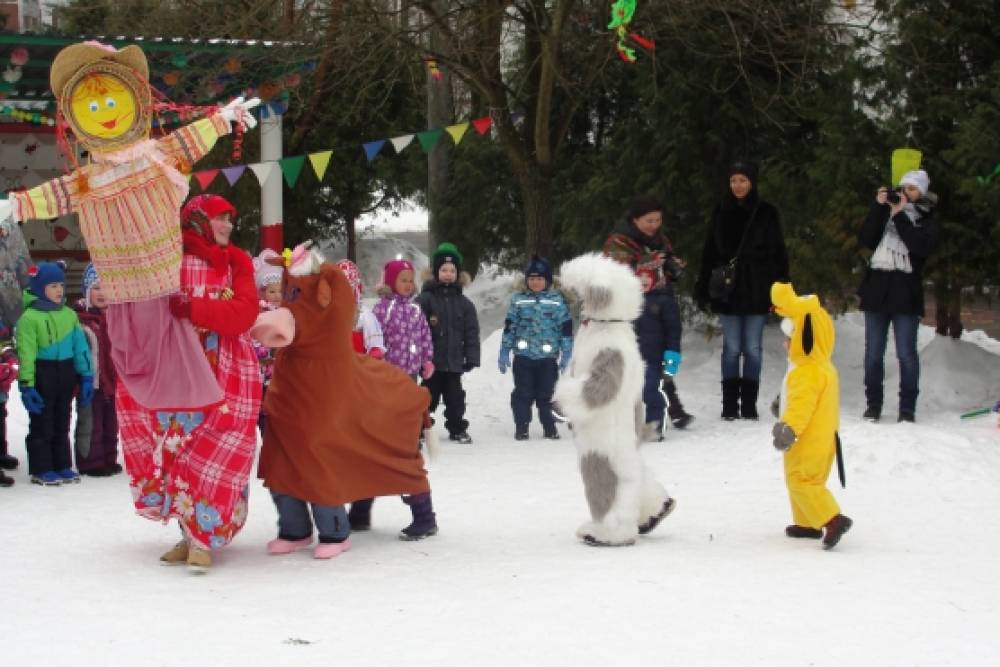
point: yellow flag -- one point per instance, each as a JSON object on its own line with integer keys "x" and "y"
{"x": 457, "y": 131}
{"x": 320, "y": 161}
{"x": 904, "y": 160}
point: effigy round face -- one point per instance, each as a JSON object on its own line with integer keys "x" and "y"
{"x": 107, "y": 106}
{"x": 103, "y": 106}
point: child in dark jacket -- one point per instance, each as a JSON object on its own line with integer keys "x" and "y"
{"x": 96, "y": 435}
{"x": 8, "y": 373}
{"x": 55, "y": 360}
{"x": 538, "y": 330}
{"x": 455, "y": 330}
{"x": 658, "y": 329}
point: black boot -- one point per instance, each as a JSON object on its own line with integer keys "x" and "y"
{"x": 7, "y": 462}
{"x": 748, "y": 398}
{"x": 731, "y": 399}
{"x": 5, "y": 480}
{"x": 678, "y": 417}
{"x": 360, "y": 514}
{"x": 424, "y": 524}
{"x": 520, "y": 431}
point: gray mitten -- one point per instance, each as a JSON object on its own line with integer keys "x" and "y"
{"x": 784, "y": 436}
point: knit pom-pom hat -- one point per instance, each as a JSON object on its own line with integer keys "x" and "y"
{"x": 42, "y": 274}
{"x": 539, "y": 266}
{"x": 265, "y": 274}
{"x": 446, "y": 253}
{"x": 391, "y": 271}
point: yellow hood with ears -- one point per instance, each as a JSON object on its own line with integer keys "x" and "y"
{"x": 813, "y": 337}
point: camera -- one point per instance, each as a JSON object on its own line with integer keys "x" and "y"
{"x": 892, "y": 196}
{"x": 673, "y": 267}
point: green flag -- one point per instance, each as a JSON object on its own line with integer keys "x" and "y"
{"x": 429, "y": 138}
{"x": 291, "y": 167}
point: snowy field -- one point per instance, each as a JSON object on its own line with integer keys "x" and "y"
{"x": 506, "y": 582}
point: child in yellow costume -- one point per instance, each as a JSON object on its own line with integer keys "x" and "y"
{"x": 809, "y": 416}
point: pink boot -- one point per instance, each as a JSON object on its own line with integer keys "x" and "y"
{"x": 278, "y": 546}
{"x": 331, "y": 550}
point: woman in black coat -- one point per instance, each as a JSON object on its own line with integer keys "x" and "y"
{"x": 761, "y": 260}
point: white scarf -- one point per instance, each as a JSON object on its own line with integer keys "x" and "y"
{"x": 891, "y": 253}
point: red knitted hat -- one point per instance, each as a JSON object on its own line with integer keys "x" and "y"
{"x": 392, "y": 270}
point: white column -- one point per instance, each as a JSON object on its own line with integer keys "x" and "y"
{"x": 271, "y": 209}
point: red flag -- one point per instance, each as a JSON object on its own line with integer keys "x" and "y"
{"x": 483, "y": 124}
{"x": 206, "y": 177}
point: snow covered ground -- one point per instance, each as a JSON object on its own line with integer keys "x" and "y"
{"x": 506, "y": 582}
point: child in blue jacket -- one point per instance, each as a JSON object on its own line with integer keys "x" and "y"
{"x": 55, "y": 360}
{"x": 539, "y": 331}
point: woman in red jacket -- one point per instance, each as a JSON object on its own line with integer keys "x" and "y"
{"x": 195, "y": 466}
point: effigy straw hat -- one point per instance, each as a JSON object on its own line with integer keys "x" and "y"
{"x": 75, "y": 57}
{"x": 74, "y": 63}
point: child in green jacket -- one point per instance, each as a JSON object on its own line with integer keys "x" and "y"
{"x": 55, "y": 359}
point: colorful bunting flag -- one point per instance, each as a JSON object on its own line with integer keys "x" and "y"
{"x": 262, "y": 170}
{"x": 206, "y": 177}
{"x": 483, "y": 124}
{"x": 429, "y": 138}
{"x": 372, "y": 148}
{"x": 457, "y": 131}
{"x": 291, "y": 168}
{"x": 233, "y": 173}
{"x": 516, "y": 117}
{"x": 399, "y": 143}
{"x": 320, "y": 161}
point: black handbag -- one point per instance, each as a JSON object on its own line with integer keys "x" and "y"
{"x": 722, "y": 280}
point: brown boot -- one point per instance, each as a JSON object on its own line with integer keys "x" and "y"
{"x": 177, "y": 554}
{"x": 199, "y": 558}
{"x": 835, "y": 529}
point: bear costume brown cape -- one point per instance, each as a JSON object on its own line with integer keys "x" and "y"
{"x": 340, "y": 426}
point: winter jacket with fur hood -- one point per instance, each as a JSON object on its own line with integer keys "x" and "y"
{"x": 453, "y": 322}
{"x": 762, "y": 261}
{"x": 898, "y": 292}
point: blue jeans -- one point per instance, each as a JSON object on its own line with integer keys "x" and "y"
{"x": 904, "y": 329}
{"x": 294, "y": 522}
{"x": 742, "y": 335}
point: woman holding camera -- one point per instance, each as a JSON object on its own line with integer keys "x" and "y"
{"x": 744, "y": 231}
{"x": 640, "y": 243}
{"x": 901, "y": 233}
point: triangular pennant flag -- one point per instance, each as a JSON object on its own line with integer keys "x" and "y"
{"x": 457, "y": 131}
{"x": 372, "y": 148}
{"x": 233, "y": 173}
{"x": 291, "y": 167}
{"x": 483, "y": 124}
{"x": 206, "y": 177}
{"x": 320, "y": 161}
{"x": 399, "y": 143}
{"x": 429, "y": 138}
{"x": 516, "y": 117}
{"x": 262, "y": 170}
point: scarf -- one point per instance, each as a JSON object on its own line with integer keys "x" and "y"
{"x": 891, "y": 253}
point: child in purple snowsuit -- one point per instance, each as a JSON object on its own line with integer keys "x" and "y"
{"x": 409, "y": 347}
{"x": 407, "y": 336}
{"x": 95, "y": 439}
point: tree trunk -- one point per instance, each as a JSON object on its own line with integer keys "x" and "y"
{"x": 536, "y": 189}
{"x": 439, "y": 112}
{"x": 352, "y": 239}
